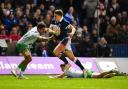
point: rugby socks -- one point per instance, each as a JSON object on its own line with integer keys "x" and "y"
{"x": 78, "y": 63}
{"x": 63, "y": 58}
{"x": 19, "y": 69}
{"x": 22, "y": 67}
{"x": 21, "y": 73}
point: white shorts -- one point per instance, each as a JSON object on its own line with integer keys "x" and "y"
{"x": 67, "y": 42}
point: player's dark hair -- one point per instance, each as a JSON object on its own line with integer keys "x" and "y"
{"x": 58, "y": 12}
{"x": 41, "y": 25}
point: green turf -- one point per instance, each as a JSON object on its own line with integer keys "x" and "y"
{"x": 43, "y": 82}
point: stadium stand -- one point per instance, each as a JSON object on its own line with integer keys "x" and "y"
{"x": 106, "y": 18}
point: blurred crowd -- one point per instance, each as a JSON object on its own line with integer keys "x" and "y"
{"x": 98, "y": 23}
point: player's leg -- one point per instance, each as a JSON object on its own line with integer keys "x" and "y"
{"x": 108, "y": 75}
{"x": 68, "y": 52}
{"x": 59, "y": 49}
{"x": 100, "y": 75}
{"x": 25, "y": 62}
{"x": 96, "y": 75}
{"x": 58, "y": 52}
{"x": 18, "y": 72}
{"x": 70, "y": 55}
{"x": 24, "y": 50}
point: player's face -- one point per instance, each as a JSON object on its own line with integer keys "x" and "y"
{"x": 41, "y": 30}
{"x": 57, "y": 17}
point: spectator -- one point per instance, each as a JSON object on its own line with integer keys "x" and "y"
{"x": 124, "y": 35}
{"x": 10, "y": 21}
{"x": 2, "y": 8}
{"x": 94, "y": 36}
{"x": 124, "y": 17}
{"x": 90, "y": 7}
{"x": 100, "y": 11}
{"x": 105, "y": 2}
{"x": 113, "y": 8}
{"x": 52, "y": 8}
{"x": 14, "y": 36}
{"x": 119, "y": 18}
{"x": 42, "y": 8}
{"x": 103, "y": 49}
{"x": 47, "y": 19}
{"x": 86, "y": 47}
{"x": 85, "y": 31}
{"x": 3, "y": 33}
{"x": 123, "y": 5}
{"x": 100, "y": 16}
{"x": 70, "y": 14}
{"x": 78, "y": 34}
{"x": 4, "y": 39}
{"x": 9, "y": 6}
{"x": 113, "y": 31}
{"x": 37, "y": 17}
{"x": 23, "y": 24}
{"x": 29, "y": 26}
{"x": 19, "y": 13}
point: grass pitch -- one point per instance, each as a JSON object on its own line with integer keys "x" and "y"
{"x": 43, "y": 82}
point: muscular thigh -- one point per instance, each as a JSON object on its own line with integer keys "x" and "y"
{"x": 61, "y": 46}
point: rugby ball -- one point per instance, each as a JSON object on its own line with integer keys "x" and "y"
{"x": 56, "y": 29}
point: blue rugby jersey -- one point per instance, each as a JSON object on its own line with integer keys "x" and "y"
{"x": 63, "y": 25}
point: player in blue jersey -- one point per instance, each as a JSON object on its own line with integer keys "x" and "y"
{"x": 64, "y": 46}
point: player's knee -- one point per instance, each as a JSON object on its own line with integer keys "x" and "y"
{"x": 28, "y": 58}
{"x": 55, "y": 53}
{"x": 72, "y": 59}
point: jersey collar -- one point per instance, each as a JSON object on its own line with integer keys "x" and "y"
{"x": 61, "y": 19}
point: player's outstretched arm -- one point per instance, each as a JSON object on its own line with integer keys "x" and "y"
{"x": 60, "y": 76}
{"x": 49, "y": 30}
{"x": 57, "y": 76}
{"x": 54, "y": 31}
{"x": 41, "y": 38}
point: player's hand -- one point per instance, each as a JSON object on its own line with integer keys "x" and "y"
{"x": 70, "y": 35}
{"x": 51, "y": 76}
{"x": 46, "y": 30}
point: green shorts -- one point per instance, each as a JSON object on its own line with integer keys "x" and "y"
{"x": 22, "y": 47}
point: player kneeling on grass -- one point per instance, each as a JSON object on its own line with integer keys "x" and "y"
{"x": 73, "y": 73}
{"x": 23, "y": 47}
